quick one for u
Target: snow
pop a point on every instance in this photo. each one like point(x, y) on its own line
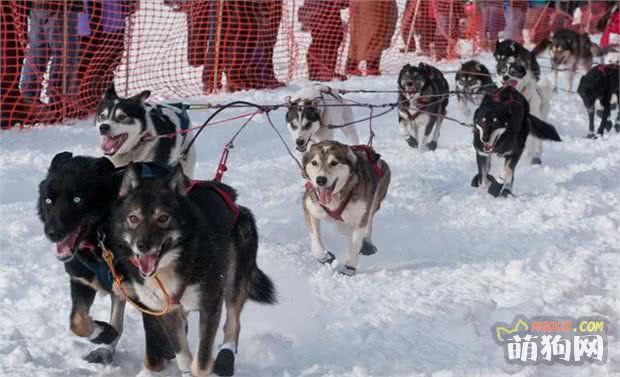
point(452, 260)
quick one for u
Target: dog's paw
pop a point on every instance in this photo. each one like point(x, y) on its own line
point(536, 161)
point(104, 333)
point(224, 363)
point(413, 143)
point(346, 270)
point(608, 125)
point(431, 146)
point(495, 188)
point(327, 258)
point(367, 247)
point(475, 182)
point(617, 127)
point(592, 136)
point(102, 355)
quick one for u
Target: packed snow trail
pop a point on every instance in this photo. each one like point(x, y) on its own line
point(452, 260)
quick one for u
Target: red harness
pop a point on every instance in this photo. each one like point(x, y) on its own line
point(232, 206)
point(603, 67)
point(373, 157)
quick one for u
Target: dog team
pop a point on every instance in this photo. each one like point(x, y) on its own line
point(135, 225)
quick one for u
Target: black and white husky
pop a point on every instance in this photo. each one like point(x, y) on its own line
point(502, 124)
point(202, 247)
point(346, 184)
point(602, 84)
point(422, 100)
point(569, 51)
point(519, 71)
point(133, 130)
point(472, 81)
point(312, 111)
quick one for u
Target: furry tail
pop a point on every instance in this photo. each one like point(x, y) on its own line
point(540, 47)
point(262, 289)
point(543, 130)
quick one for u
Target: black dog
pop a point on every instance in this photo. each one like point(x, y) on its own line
point(74, 198)
point(508, 51)
point(600, 83)
point(422, 101)
point(473, 81)
point(502, 124)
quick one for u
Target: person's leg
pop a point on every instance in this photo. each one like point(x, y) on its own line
point(64, 46)
point(36, 56)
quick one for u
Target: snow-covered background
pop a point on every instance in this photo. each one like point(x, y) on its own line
point(451, 262)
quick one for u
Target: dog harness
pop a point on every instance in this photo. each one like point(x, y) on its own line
point(372, 157)
point(605, 67)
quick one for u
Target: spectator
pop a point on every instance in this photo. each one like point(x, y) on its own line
point(418, 20)
point(266, 18)
point(372, 27)
point(47, 32)
point(491, 14)
point(448, 13)
point(323, 22)
point(610, 24)
point(104, 50)
point(514, 15)
point(13, 24)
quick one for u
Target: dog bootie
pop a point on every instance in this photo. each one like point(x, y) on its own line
point(413, 143)
point(327, 258)
point(224, 363)
point(367, 247)
point(431, 146)
point(101, 355)
point(346, 270)
point(475, 182)
point(536, 161)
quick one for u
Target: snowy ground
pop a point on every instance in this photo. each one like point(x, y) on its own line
point(451, 262)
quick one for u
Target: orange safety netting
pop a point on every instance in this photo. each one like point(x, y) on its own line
point(59, 56)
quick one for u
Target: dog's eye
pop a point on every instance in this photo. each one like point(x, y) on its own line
point(333, 163)
point(314, 163)
point(163, 219)
point(121, 117)
point(134, 219)
point(77, 200)
point(48, 201)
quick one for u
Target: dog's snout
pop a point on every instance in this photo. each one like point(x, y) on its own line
point(300, 142)
point(506, 78)
point(142, 246)
point(53, 235)
point(409, 83)
point(103, 128)
point(321, 181)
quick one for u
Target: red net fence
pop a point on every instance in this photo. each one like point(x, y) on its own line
point(59, 56)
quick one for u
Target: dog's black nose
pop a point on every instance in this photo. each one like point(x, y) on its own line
point(142, 246)
point(506, 78)
point(103, 128)
point(321, 181)
point(300, 142)
point(53, 235)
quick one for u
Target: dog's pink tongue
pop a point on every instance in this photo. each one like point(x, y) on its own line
point(147, 264)
point(108, 144)
point(64, 248)
point(325, 196)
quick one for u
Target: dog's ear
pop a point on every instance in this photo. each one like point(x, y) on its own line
point(131, 180)
point(103, 166)
point(496, 44)
point(60, 159)
point(407, 65)
point(110, 93)
point(178, 181)
point(351, 156)
point(142, 96)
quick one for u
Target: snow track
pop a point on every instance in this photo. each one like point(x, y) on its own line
point(451, 261)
